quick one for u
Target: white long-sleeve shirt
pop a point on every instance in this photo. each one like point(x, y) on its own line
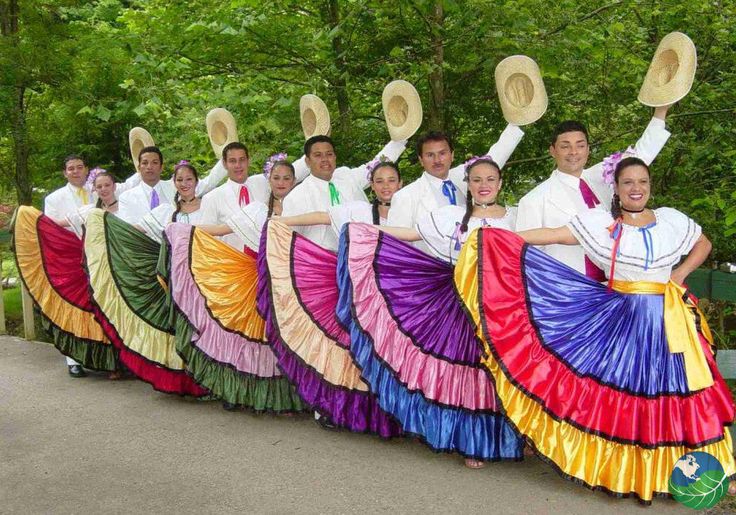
point(555, 201)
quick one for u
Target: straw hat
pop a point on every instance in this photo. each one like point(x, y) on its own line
point(671, 73)
point(314, 115)
point(520, 90)
point(221, 128)
point(138, 139)
point(402, 109)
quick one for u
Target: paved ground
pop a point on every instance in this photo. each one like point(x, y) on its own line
point(98, 446)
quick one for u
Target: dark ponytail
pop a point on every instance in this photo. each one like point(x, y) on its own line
point(271, 200)
point(374, 210)
point(616, 207)
point(177, 201)
point(616, 212)
point(468, 213)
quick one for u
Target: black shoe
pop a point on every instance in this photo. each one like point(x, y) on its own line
point(229, 406)
point(326, 423)
point(77, 371)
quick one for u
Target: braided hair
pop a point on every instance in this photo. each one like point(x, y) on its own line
point(177, 198)
point(616, 212)
point(469, 199)
point(274, 165)
point(375, 203)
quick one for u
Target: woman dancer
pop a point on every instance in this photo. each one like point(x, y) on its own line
point(410, 336)
point(213, 286)
point(611, 384)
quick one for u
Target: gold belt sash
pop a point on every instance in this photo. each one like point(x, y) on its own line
point(679, 327)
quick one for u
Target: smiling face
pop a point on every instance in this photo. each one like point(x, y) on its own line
point(633, 187)
point(385, 182)
point(436, 158)
point(150, 166)
point(185, 182)
point(236, 164)
point(484, 183)
point(322, 160)
point(571, 152)
point(75, 172)
point(281, 180)
point(105, 189)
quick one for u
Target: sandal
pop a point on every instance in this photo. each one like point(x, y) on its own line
point(474, 464)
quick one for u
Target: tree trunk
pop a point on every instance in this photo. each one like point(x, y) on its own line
point(9, 14)
point(437, 76)
point(339, 82)
point(20, 146)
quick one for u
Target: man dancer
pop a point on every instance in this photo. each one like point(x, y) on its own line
point(572, 189)
point(440, 185)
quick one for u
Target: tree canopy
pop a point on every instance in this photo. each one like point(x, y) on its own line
point(76, 76)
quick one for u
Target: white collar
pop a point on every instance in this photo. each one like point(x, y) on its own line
point(149, 189)
point(567, 179)
point(74, 189)
point(435, 182)
point(235, 186)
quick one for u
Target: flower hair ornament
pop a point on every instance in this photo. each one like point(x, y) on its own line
point(470, 162)
point(610, 162)
point(181, 163)
point(370, 167)
point(89, 184)
point(268, 166)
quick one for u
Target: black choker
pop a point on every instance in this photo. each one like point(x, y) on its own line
point(489, 204)
point(109, 205)
point(632, 211)
point(185, 201)
point(382, 203)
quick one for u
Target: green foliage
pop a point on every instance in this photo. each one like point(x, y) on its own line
point(96, 69)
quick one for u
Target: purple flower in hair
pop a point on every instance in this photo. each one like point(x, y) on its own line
point(610, 162)
point(181, 163)
point(470, 162)
point(89, 185)
point(281, 156)
point(372, 165)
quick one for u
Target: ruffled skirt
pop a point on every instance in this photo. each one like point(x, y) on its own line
point(586, 374)
point(297, 297)
point(122, 264)
point(417, 348)
point(50, 262)
point(218, 330)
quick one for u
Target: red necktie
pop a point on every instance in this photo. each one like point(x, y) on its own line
point(591, 201)
point(243, 197)
point(244, 200)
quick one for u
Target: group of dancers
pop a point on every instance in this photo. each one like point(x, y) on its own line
point(559, 328)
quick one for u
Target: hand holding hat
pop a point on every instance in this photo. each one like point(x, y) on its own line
point(221, 129)
point(671, 72)
point(402, 109)
point(521, 90)
point(138, 139)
